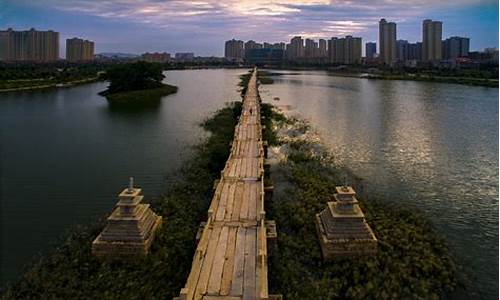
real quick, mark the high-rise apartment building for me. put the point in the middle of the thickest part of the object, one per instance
(78, 50)
(252, 45)
(387, 42)
(296, 48)
(280, 46)
(432, 32)
(234, 50)
(322, 48)
(415, 51)
(310, 49)
(30, 45)
(345, 50)
(455, 46)
(402, 50)
(353, 50)
(370, 50)
(408, 51)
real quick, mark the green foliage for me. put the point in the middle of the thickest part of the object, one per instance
(271, 117)
(412, 262)
(26, 75)
(71, 272)
(134, 76)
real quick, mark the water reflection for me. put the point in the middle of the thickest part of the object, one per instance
(65, 154)
(429, 146)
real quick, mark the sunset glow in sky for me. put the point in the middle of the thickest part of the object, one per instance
(136, 26)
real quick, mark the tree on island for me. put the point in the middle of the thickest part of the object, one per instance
(134, 76)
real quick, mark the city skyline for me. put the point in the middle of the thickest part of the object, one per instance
(202, 27)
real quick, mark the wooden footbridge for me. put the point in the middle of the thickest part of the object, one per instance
(230, 261)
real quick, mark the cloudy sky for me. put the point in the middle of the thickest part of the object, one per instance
(202, 26)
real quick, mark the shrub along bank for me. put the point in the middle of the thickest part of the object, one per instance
(71, 272)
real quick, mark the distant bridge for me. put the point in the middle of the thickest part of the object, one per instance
(230, 261)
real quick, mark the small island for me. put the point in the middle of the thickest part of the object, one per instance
(136, 84)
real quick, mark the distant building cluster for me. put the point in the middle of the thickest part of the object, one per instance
(29, 45)
(156, 57)
(432, 50)
(184, 56)
(78, 50)
(166, 57)
(41, 46)
(345, 50)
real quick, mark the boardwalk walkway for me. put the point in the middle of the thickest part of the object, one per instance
(230, 261)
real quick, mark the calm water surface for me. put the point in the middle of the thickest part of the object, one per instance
(65, 155)
(426, 145)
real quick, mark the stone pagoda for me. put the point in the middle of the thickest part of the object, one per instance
(342, 228)
(130, 228)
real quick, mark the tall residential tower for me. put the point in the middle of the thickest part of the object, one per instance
(29, 45)
(432, 33)
(387, 42)
(78, 50)
(234, 50)
(370, 50)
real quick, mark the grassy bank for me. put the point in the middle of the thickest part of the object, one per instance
(413, 261)
(29, 76)
(442, 79)
(139, 97)
(36, 84)
(71, 272)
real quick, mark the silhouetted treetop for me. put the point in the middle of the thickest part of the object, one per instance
(134, 76)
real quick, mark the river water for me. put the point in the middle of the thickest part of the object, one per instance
(429, 146)
(65, 154)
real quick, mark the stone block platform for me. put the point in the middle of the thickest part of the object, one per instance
(130, 228)
(342, 228)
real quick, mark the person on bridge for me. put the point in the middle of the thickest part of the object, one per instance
(251, 111)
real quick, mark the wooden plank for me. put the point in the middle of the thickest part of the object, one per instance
(230, 170)
(218, 264)
(221, 298)
(195, 272)
(221, 207)
(239, 263)
(249, 167)
(238, 169)
(244, 202)
(227, 273)
(256, 167)
(262, 286)
(232, 193)
(235, 216)
(252, 205)
(258, 266)
(201, 288)
(249, 281)
(230, 201)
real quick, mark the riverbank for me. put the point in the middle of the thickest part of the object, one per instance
(70, 271)
(27, 85)
(367, 74)
(413, 261)
(441, 79)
